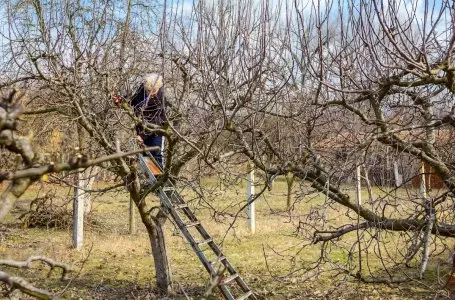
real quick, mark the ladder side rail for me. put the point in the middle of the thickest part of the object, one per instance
(204, 234)
(215, 248)
(175, 198)
(189, 213)
(208, 266)
(226, 292)
(225, 262)
(187, 235)
(179, 200)
(229, 267)
(145, 169)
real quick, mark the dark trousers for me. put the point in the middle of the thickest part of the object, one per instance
(155, 140)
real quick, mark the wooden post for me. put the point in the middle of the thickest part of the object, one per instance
(358, 185)
(132, 219)
(78, 214)
(387, 167)
(289, 181)
(249, 197)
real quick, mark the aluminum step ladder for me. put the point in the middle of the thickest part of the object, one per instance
(222, 273)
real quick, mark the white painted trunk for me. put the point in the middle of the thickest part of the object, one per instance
(249, 197)
(423, 185)
(398, 176)
(358, 185)
(78, 214)
(86, 183)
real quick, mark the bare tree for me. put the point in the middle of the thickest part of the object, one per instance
(29, 170)
(338, 83)
(68, 50)
(311, 89)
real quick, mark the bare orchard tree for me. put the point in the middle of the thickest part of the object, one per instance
(311, 89)
(29, 169)
(379, 74)
(347, 83)
(78, 54)
(388, 68)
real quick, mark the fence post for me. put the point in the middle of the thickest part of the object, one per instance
(250, 197)
(358, 185)
(78, 214)
(132, 219)
(423, 184)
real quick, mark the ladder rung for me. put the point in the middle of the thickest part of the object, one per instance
(197, 223)
(244, 296)
(173, 201)
(180, 206)
(221, 258)
(205, 242)
(227, 280)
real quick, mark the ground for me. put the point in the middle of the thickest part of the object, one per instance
(114, 264)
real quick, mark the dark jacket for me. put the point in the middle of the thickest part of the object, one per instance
(151, 110)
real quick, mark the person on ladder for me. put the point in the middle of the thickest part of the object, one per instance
(149, 104)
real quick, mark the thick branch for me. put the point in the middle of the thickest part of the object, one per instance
(68, 166)
(17, 283)
(28, 263)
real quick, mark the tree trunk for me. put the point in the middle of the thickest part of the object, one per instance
(86, 179)
(162, 267)
(154, 226)
(398, 176)
(78, 213)
(290, 181)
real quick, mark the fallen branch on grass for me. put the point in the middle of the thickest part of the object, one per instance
(18, 283)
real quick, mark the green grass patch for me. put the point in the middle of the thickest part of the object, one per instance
(116, 265)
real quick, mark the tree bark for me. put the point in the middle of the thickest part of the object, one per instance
(154, 226)
(162, 267)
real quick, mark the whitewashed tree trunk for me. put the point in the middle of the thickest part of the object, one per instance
(78, 214)
(86, 183)
(249, 197)
(398, 176)
(358, 185)
(430, 217)
(82, 201)
(423, 185)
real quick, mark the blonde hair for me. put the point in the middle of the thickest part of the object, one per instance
(152, 83)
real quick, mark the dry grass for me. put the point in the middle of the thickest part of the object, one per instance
(116, 265)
